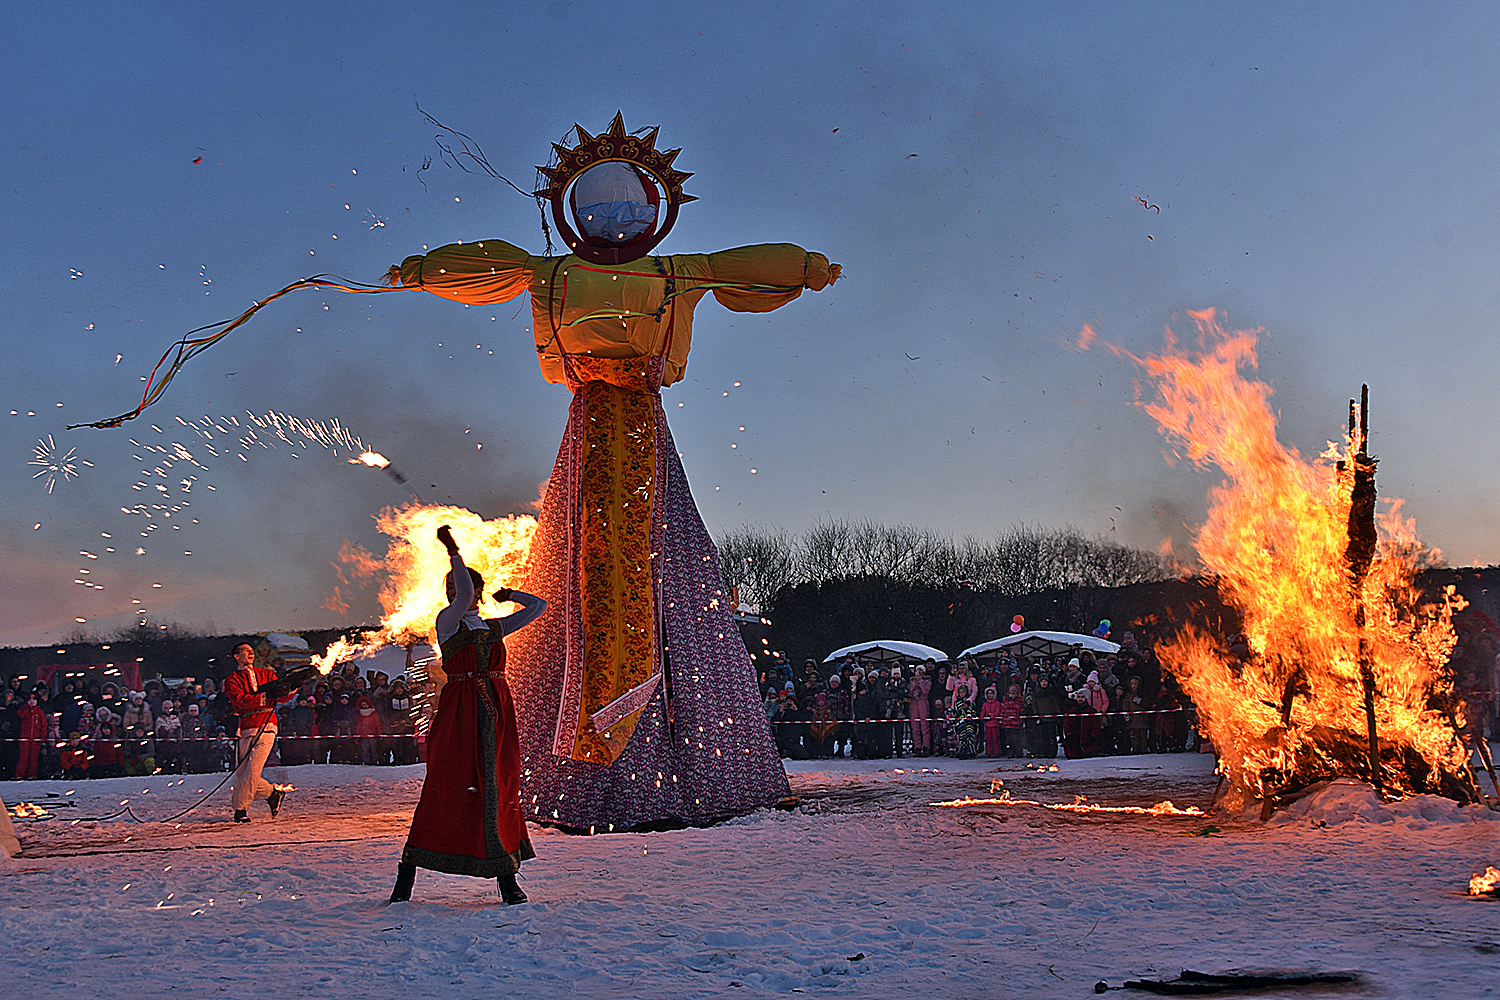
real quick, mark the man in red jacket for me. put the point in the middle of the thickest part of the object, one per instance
(248, 695)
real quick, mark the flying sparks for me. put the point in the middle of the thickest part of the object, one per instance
(56, 465)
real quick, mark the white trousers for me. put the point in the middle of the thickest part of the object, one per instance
(254, 751)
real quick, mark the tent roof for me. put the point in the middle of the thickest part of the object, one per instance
(887, 649)
(1039, 644)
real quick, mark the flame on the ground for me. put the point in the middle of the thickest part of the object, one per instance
(1163, 808)
(411, 572)
(1275, 541)
(1488, 882)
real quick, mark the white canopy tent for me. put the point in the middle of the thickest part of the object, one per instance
(1038, 644)
(888, 650)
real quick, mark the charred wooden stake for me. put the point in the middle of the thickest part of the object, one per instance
(1359, 554)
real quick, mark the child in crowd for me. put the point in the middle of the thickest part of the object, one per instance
(989, 712)
(1010, 721)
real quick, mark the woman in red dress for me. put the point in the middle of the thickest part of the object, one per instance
(468, 821)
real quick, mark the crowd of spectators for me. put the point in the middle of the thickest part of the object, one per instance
(1081, 704)
(350, 718)
(101, 729)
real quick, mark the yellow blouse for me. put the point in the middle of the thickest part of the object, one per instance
(640, 309)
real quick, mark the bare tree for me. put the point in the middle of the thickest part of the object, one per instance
(1024, 559)
(757, 560)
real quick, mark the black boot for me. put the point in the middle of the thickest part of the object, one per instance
(406, 874)
(509, 891)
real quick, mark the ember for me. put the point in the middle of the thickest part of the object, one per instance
(1341, 655)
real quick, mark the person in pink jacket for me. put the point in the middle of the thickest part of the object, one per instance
(989, 714)
(1093, 722)
(920, 709)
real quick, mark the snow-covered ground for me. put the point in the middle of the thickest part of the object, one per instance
(865, 890)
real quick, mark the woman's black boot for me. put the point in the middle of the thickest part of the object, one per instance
(509, 891)
(406, 874)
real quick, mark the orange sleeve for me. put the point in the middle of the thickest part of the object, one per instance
(481, 273)
(784, 269)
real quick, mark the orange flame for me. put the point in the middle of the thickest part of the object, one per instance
(1162, 808)
(1488, 882)
(373, 459)
(1275, 539)
(415, 563)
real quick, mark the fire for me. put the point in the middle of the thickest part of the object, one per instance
(1275, 541)
(373, 459)
(1489, 882)
(415, 563)
(1163, 808)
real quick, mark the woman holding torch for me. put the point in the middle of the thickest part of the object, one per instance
(468, 820)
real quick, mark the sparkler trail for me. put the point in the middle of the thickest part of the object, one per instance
(56, 465)
(174, 468)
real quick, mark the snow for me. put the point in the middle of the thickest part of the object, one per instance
(864, 890)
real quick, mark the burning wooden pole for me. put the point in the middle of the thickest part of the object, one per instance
(1359, 554)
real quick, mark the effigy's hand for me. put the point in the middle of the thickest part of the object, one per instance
(445, 535)
(502, 595)
(834, 270)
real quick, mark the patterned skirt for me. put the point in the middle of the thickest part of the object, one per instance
(701, 749)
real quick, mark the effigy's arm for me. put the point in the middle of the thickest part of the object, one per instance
(776, 273)
(481, 273)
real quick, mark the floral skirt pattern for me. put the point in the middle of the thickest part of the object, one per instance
(701, 749)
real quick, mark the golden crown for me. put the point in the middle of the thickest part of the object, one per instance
(619, 146)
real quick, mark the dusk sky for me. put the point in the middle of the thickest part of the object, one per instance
(1327, 173)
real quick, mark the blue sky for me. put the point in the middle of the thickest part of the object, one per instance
(1325, 172)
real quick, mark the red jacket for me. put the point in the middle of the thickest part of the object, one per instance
(367, 725)
(244, 688)
(33, 722)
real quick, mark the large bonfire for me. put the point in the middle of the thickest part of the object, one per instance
(1341, 653)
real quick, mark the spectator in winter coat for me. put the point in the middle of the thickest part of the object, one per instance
(866, 708)
(169, 755)
(1010, 721)
(296, 731)
(197, 756)
(109, 754)
(1093, 702)
(940, 689)
(841, 703)
(919, 708)
(1137, 704)
(75, 757)
(964, 719)
(367, 728)
(10, 734)
(33, 730)
(70, 705)
(402, 723)
(1171, 721)
(965, 677)
(341, 718)
(824, 727)
(136, 717)
(812, 683)
(989, 714)
(1073, 676)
